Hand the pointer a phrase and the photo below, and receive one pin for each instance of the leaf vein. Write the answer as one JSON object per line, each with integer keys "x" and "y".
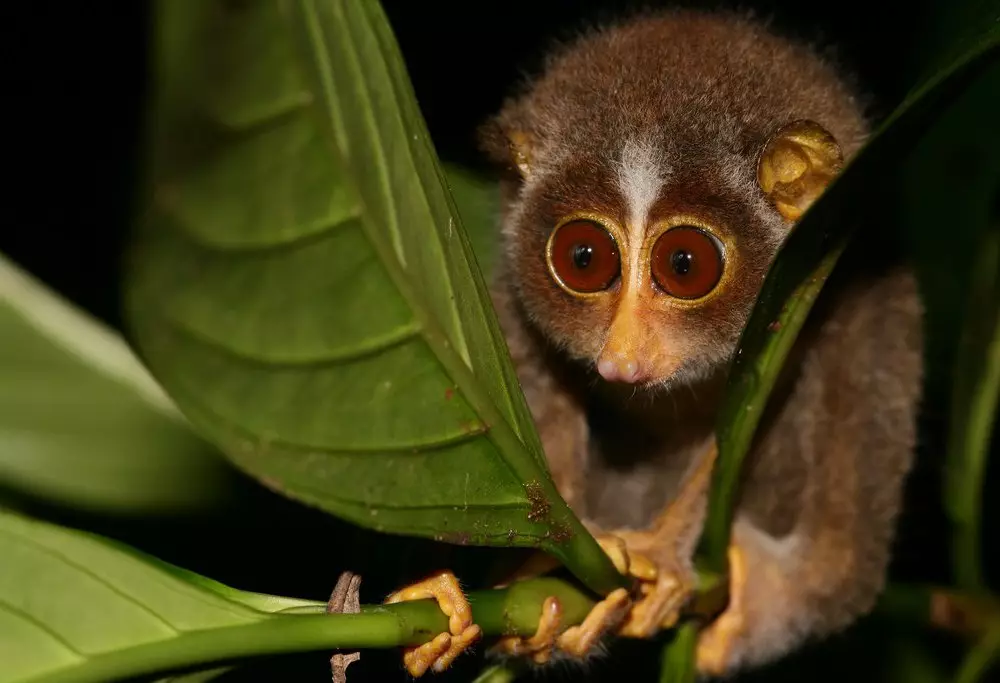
{"x": 93, "y": 575}
{"x": 344, "y": 356}
{"x": 41, "y": 626}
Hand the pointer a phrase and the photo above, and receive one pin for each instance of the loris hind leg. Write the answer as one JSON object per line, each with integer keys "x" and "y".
{"x": 813, "y": 532}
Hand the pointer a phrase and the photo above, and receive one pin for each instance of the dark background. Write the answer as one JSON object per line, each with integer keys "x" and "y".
{"x": 74, "y": 81}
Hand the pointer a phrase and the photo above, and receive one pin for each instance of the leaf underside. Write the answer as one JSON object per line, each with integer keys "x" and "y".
{"x": 68, "y": 599}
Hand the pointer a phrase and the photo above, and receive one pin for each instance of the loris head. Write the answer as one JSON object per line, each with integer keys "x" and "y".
{"x": 653, "y": 171}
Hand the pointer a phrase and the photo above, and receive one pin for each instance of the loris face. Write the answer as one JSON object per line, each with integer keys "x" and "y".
{"x": 651, "y": 194}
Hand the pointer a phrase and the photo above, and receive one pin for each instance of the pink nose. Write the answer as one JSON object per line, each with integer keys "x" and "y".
{"x": 619, "y": 370}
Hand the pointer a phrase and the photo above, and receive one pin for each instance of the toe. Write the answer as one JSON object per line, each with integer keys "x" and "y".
{"x": 605, "y": 616}
{"x": 614, "y": 548}
{"x": 659, "y": 607}
{"x": 418, "y": 659}
{"x": 540, "y": 645}
{"x": 458, "y": 645}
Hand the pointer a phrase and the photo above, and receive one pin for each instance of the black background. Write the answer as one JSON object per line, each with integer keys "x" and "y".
{"x": 74, "y": 83}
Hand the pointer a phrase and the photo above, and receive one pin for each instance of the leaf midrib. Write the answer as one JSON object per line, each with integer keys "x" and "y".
{"x": 500, "y": 432}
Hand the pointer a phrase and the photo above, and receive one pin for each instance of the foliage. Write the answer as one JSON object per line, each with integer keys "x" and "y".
{"x": 301, "y": 270}
{"x": 304, "y": 288}
{"x": 82, "y": 423}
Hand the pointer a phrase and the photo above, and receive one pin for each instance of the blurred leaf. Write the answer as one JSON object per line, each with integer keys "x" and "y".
{"x": 81, "y": 422}
{"x": 806, "y": 260}
{"x": 303, "y": 287}
{"x": 910, "y": 659}
{"x": 981, "y": 659}
{"x": 953, "y": 180}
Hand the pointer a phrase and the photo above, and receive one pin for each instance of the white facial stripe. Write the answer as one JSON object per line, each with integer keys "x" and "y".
{"x": 641, "y": 174}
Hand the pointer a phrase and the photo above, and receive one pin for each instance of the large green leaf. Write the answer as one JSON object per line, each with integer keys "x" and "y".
{"x": 78, "y": 608}
{"x": 303, "y": 288}
{"x": 81, "y": 422}
{"x": 810, "y": 254}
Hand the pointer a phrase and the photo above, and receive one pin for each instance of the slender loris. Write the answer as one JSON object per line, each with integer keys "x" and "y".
{"x": 651, "y": 173}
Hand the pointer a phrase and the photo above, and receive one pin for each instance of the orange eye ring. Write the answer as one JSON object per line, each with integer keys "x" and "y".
{"x": 686, "y": 262}
{"x": 583, "y": 256}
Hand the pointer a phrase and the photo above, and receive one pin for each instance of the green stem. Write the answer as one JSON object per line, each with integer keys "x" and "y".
{"x": 509, "y": 611}
{"x": 274, "y": 634}
{"x": 514, "y": 610}
{"x": 678, "y": 662}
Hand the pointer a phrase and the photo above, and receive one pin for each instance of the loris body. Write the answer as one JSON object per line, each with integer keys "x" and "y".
{"x": 654, "y": 170}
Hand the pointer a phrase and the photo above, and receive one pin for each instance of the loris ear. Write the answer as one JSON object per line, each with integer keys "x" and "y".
{"x": 507, "y": 144}
{"x": 797, "y": 164}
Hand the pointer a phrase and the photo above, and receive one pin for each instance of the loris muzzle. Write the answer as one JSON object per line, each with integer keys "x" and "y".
{"x": 650, "y": 174}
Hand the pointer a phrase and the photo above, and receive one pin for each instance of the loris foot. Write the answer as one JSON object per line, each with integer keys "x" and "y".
{"x": 539, "y": 646}
{"x": 717, "y": 640}
{"x": 604, "y": 618}
{"x": 440, "y": 652}
{"x": 663, "y": 593}
{"x": 577, "y": 641}
{"x": 663, "y": 590}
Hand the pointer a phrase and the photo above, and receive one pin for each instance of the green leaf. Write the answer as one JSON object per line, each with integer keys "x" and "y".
{"x": 78, "y": 608}
{"x": 806, "y": 260}
{"x": 81, "y": 422}
{"x": 302, "y": 285}
{"x": 478, "y": 199}
{"x": 953, "y": 179}
{"x": 197, "y": 676}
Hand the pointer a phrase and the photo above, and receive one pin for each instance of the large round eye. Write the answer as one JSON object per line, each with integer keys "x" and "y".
{"x": 584, "y": 256}
{"x": 686, "y": 262}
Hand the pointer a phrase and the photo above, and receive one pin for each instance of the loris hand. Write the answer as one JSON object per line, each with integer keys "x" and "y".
{"x": 662, "y": 593}
{"x": 663, "y": 589}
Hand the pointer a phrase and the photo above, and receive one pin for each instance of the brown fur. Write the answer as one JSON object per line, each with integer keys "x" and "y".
{"x": 824, "y": 480}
